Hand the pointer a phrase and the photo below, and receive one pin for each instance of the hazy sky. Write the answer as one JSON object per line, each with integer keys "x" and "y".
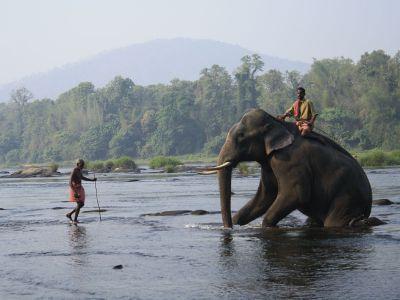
{"x": 37, "y": 35}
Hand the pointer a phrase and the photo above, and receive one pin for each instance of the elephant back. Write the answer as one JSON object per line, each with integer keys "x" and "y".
{"x": 326, "y": 141}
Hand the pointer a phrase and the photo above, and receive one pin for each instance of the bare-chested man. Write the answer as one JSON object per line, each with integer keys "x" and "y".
{"x": 76, "y": 190}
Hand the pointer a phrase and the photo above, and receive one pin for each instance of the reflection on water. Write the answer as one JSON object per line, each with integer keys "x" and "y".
{"x": 79, "y": 244}
{"x": 292, "y": 262}
{"x": 227, "y": 251}
{"x": 227, "y": 246}
{"x": 306, "y": 257}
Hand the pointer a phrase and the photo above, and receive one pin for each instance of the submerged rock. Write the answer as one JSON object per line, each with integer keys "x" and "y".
{"x": 382, "y": 202}
{"x": 168, "y": 213}
{"x": 199, "y": 212}
{"x": 371, "y": 221}
{"x": 123, "y": 170}
{"x": 118, "y": 267}
{"x": 34, "y": 171}
{"x": 185, "y": 169}
{"x": 93, "y": 211}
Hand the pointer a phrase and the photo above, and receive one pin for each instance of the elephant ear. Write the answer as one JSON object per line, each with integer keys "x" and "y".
{"x": 276, "y": 137}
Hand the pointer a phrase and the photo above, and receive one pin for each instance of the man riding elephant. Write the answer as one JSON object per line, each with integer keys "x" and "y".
{"x": 313, "y": 175}
{"x": 303, "y": 112}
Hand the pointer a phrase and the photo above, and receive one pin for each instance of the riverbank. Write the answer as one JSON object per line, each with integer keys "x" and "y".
{"x": 369, "y": 158}
{"x": 378, "y": 158}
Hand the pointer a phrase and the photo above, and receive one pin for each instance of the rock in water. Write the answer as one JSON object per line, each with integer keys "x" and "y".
{"x": 93, "y": 211}
{"x": 382, "y": 202}
{"x": 199, "y": 212}
{"x": 169, "y": 213}
{"x": 34, "y": 171}
{"x": 118, "y": 267}
{"x": 371, "y": 221}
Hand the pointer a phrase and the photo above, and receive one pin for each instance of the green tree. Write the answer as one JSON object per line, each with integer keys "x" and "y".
{"x": 330, "y": 82}
{"x": 214, "y": 99}
{"x": 126, "y": 141}
{"x": 94, "y": 142}
{"x": 247, "y": 93}
{"x": 274, "y": 92}
{"x": 377, "y": 88}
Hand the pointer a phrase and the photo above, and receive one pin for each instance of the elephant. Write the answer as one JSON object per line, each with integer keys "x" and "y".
{"x": 312, "y": 174}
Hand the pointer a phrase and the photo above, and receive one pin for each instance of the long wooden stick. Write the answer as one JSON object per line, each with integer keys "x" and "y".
{"x": 97, "y": 198}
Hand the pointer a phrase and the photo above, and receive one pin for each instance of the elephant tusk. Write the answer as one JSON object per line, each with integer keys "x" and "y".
{"x": 207, "y": 172}
{"x": 224, "y": 165}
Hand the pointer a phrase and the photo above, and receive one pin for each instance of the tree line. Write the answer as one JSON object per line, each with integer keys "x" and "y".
{"x": 358, "y": 105}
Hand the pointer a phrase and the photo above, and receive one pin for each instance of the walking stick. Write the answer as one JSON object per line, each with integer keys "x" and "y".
{"x": 97, "y": 198}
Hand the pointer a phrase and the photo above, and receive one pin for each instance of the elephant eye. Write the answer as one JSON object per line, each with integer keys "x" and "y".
{"x": 240, "y": 136}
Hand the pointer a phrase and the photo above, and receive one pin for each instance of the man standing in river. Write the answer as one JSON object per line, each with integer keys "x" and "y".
{"x": 76, "y": 190}
{"x": 303, "y": 112}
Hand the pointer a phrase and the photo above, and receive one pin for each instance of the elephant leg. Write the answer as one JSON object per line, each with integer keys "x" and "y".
{"x": 260, "y": 203}
{"x": 333, "y": 221}
{"x": 280, "y": 208}
{"x": 341, "y": 214}
{"x": 253, "y": 209}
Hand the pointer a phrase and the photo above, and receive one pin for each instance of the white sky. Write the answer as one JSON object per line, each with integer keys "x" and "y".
{"x": 37, "y": 35}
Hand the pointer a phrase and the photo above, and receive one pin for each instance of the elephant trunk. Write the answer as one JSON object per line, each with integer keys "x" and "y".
{"x": 224, "y": 180}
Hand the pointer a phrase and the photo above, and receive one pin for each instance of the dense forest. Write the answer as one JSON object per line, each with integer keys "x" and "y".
{"x": 358, "y": 102}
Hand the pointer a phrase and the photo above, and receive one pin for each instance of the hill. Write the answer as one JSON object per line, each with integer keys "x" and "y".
{"x": 157, "y": 61}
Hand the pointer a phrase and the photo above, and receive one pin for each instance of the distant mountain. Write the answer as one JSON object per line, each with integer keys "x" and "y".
{"x": 157, "y": 61}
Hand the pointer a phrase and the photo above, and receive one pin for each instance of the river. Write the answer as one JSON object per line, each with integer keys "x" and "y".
{"x": 186, "y": 256}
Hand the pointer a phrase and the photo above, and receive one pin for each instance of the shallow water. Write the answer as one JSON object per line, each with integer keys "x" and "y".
{"x": 187, "y": 256}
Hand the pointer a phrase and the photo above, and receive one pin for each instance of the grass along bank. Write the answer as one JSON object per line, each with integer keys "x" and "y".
{"x": 122, "y": 164}
{"x": 169, "y": 164}
{"x": 378, "y": 158}
{"x": 127, "y": 164}
{"x": 196, "y": 158}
